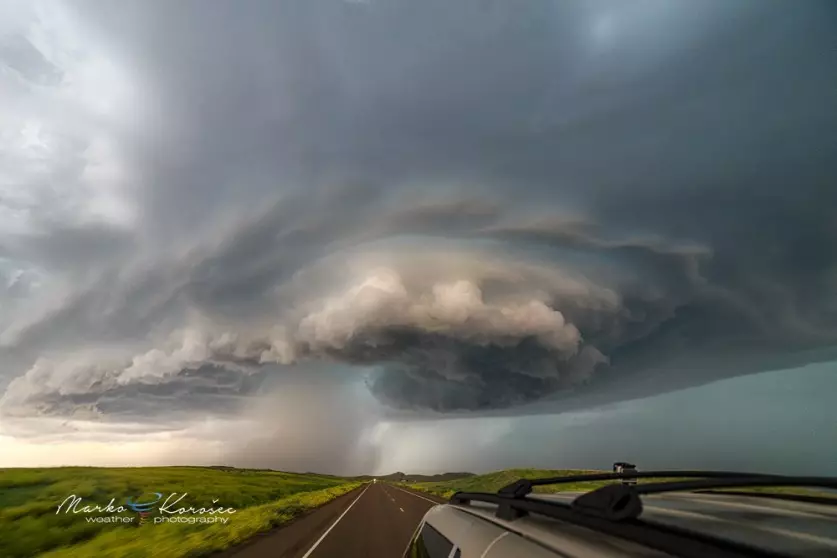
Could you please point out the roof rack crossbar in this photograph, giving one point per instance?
(666, 538)
(740, 482)
(806, 498)
(522, 487)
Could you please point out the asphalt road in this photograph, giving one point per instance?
(374, 521)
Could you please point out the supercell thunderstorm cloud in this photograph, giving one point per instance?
(464, 207)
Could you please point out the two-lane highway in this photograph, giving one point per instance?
(375, 521)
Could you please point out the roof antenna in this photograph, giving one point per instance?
(626, 468)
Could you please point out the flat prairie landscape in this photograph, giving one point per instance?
(31, 523)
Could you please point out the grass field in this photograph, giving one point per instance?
(492, 482)
(30, 526)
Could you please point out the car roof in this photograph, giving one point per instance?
(790, 527)
(477, 532)
(785, 526)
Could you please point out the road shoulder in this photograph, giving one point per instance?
(297, 535)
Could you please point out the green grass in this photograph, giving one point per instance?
(492, 482)
(29, 498)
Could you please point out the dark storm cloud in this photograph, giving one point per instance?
(489, 203)
(20, 55)
(727, 425)
(69, 248)
(193, 391)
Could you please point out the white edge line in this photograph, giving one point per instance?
(434, 502)
(492, 543)
(316, 544)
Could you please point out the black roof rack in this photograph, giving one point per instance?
(742, 481)
(616, 508)
(522, 487)
(806, 498)
(670, 539)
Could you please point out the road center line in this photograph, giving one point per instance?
(435, 503)
(402, 509)
(336, 521)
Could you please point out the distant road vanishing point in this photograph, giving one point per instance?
(376, 520)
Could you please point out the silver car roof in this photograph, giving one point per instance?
(790, 527)
(794, 528)
(479, 534)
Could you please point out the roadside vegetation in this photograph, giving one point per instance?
(30, 526)
(492, 482)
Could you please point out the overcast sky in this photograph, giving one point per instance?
(331, 235)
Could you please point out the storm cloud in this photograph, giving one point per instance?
(470, 207)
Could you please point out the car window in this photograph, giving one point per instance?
(430, 543)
